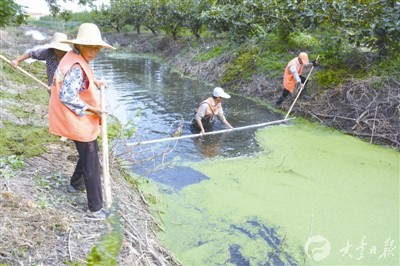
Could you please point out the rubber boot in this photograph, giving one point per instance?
(279, 102)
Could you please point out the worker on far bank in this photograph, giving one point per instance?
(52, 53)
(292, 77)
(204, 118)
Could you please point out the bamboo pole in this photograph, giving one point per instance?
(209, 133)
(26, 73)
(301, 89)
(104, 142)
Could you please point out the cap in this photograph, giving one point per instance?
(304, 57)
(219, 92)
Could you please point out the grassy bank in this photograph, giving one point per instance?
(41, 222)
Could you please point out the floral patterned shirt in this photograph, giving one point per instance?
(75, 81)
(48, 55)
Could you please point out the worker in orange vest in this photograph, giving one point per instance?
(75, 111)
(210, 108)
(51, 53)
(292, 77)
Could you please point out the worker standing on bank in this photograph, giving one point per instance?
(51, 53)
(292, 77)
(210, 108)
(75, 112)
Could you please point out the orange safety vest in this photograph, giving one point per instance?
(63, 121)
(211, 110)
(289, 81)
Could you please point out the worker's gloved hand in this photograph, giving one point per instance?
(314, 63)
(298, 85)
(297, 88)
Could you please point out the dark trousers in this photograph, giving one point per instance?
(207, 121)
(87, 173)
(285, 92)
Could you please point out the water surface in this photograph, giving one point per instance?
(291, 194)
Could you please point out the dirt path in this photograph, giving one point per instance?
(43, 224)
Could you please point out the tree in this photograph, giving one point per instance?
(137, 13)
(113, 16)
(152, 22)
(171, 14)
(192, 19)
(378, 26)
(370, 23)
(11, 13)
(55, 8)
(240, 18)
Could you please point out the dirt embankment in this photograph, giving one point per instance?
(369, 109)
(40, 222)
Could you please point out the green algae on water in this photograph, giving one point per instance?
(312, 189)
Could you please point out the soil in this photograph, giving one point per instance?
(43, 224)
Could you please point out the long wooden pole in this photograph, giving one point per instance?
(209, 133)
(301, 89)
(104, 142)
(26, 73)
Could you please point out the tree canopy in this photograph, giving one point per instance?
(371, 23)
(11, 13)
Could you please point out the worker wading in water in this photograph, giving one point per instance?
(210, 108)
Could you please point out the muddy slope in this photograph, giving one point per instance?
(40, 222)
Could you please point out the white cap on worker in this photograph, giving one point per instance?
(219, 92)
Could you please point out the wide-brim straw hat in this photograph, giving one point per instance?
(56, 42)
(89, 34)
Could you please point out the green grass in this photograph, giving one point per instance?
(24, 139)
(35, 95)
(243, 67)
(6, 95)
(37, 69)
(213, 52)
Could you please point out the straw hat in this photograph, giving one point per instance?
(58, 37)
(89, 34)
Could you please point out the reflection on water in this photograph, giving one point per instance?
(210, 145)
(160, 101)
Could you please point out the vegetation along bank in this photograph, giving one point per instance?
(244, 46)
